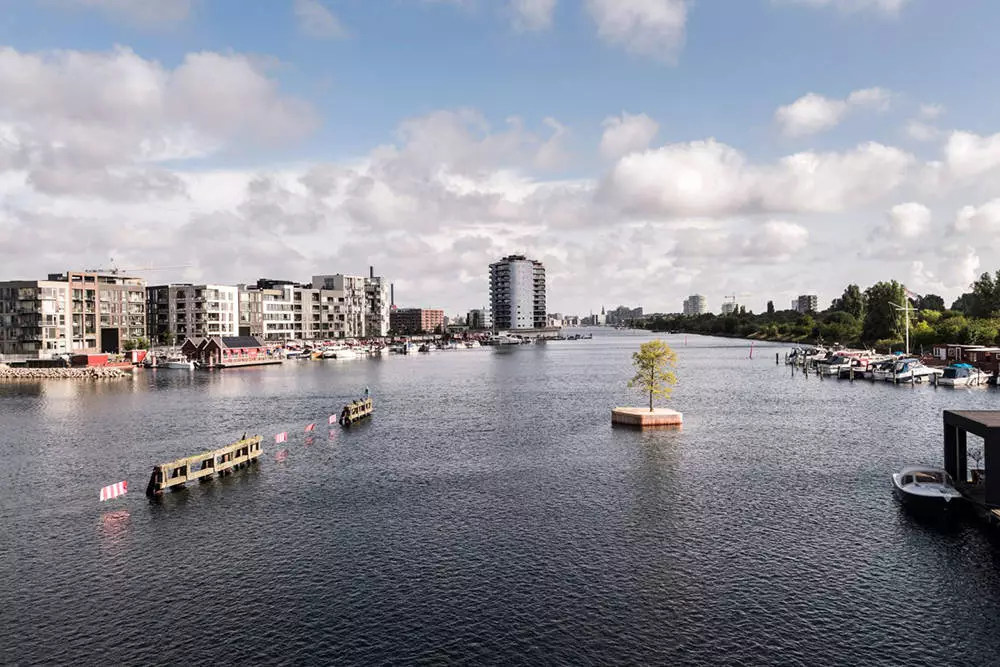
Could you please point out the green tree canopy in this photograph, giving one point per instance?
(930, 302)
(882, 320)
(654, 364)
(851, 301)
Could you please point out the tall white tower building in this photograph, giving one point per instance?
(517, 294)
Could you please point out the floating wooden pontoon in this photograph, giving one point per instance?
(204, 465)
(356, 411)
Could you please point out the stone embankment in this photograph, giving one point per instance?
(88, 373)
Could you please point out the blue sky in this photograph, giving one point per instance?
(394, 64)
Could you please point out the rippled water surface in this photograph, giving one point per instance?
(489, 514)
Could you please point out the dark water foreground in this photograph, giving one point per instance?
(489, 514)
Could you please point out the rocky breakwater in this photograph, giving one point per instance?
(87, 373)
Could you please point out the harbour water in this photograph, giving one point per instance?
(488, 514)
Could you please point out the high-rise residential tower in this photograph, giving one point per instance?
(517, 294)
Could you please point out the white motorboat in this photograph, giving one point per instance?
(963, 375)
(503, 339)
(343, 352)
(472, 343)
(925, 488)
(908, 370)
(833, 365)
(176, 363)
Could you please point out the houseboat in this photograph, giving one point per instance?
(355, 411)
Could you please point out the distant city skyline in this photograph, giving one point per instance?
(641, 157)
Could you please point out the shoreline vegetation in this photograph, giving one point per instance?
(873, 318)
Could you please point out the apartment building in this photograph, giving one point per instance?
(416, 320)
(695, 305)
(806, 303)
(517, 294)
(179, 311)
(83, 312)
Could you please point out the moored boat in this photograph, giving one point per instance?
(962, 375)
(176, 363)
(925, 488)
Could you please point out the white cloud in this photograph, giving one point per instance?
(96, 123)
(316, 20)
(532, 14)
(968, 155)
(772, 242)
(905, 222)
(626, 134)
(920, 131)
(931, 111)
(885, 7)
(149, 12)
(652, 28)
(982, 221)
(956, 268)
(814, 113)
(707, 178)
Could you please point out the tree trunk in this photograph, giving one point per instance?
(650, 401)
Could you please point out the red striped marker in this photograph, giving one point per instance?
(114, 490)
(281, 437)
(310, 428)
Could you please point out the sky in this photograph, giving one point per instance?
(643, 150)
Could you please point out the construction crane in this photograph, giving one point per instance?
(116, 270)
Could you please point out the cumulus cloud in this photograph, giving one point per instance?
(773, 241)
(148, 12)
(96, 123)
(983, 220)
(905, 222)
(626, 134)
(920, 131)
(814, 113)
(317, 21)
(953, 270)
(652, 28)
(532, 14)
(884, 7)
(968, 155)
(708, 178)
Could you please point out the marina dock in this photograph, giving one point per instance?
(202, 466)
(983, 491)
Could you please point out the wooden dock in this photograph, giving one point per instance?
(644, 418)
(202, 466)
(356, 411)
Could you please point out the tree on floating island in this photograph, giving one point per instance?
(654, 375)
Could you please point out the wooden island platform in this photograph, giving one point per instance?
(202, 466)
(983, 492)
(643, 418)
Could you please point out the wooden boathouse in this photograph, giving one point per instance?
(983, 489)
(228, 352)
(202, 466)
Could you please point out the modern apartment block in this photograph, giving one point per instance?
(179, 311)
(416, 320)
(806, 303)
(695, 305)
(479, 319)
(74, 312)
(517, 294)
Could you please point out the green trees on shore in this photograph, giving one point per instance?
(869, 317)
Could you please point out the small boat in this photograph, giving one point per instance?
(425, 347)
(472, 343)
(963, 375)
(909, 370)
(503, 339)
(177, 363)
(924, 487)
